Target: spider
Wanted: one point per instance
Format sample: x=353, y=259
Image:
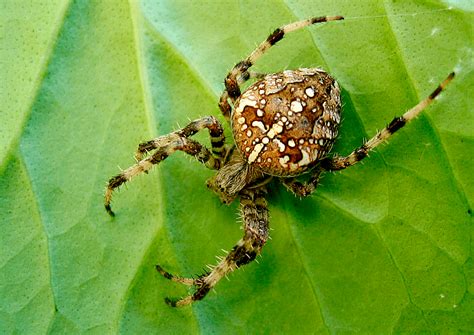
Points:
x=284, y=125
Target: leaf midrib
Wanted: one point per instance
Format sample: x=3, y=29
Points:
x=14, y=140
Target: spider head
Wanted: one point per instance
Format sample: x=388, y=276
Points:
x=232, y=178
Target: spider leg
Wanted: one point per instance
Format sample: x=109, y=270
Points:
x=303, y=189
x=232, y=89
x=176, y=279
x=210, y=122
x=168, y=145
x=339, y=163
x=254, y=211
x=224, y=105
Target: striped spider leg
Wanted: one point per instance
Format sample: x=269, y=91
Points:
x=341, y=162
x=164, y=146
x=254, y=212
x=239, y=74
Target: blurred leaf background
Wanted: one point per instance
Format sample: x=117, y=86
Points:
x=383, y=247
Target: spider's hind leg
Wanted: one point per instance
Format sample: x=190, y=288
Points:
x=253, y=208
x=306, y=188
x=232, y=81
x=340, y=163
x=224, y=105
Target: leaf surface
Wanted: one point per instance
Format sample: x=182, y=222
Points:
x=383, y=247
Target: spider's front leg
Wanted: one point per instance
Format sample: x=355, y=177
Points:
x=216, y=133
x=254, y=212
x=165, y=145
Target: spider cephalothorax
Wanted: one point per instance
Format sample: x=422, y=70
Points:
x=283, y=125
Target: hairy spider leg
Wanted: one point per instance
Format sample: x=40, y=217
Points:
x=304, y=189
x=176, y=279
x=238, y=73
x=168, y=144
x=254, y=212
x=223, y=104
x=210, y=122
x=339, y=163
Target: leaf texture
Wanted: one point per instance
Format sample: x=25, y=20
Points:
x=383, y=247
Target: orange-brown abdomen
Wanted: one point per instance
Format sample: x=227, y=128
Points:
x=284, y=123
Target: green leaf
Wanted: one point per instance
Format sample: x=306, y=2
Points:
x=382, y=247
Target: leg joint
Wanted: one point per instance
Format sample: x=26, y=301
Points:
x=232, y=87
x=276, y=36
x=396, y=124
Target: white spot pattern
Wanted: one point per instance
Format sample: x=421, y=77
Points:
x=281, y=126
x=296, y=106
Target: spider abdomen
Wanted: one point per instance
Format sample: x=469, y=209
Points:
x=284, y=123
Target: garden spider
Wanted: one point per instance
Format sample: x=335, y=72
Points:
x=284, y=125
